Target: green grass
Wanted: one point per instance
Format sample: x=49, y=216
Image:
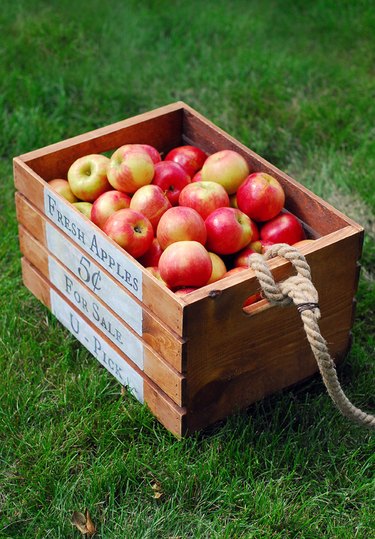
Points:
x=294, y=81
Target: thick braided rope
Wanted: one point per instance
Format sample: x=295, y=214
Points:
x=300, y=290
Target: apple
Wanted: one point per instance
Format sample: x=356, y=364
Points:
x=152, y=152
x=130, y=167
x=152, y=202
x=84, y=207
x=226, y=167
x=183, y=291
x=180, y=224
x=171, y=178
x=185, y=264
x=152, y=255
x=228, y=231
x=252, y=299
x=255, y=236
x=242, y=259
x=284, y=228
x=154, y=270
x=218, y=268
x=87, y=177
x=63, y=188
x=197, y=177
x=266, y=245
x=204, y=197
x=105, y=205
x=190, y=158
x=260, y=196
x=131, y=230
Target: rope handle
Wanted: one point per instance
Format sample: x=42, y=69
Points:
x=300, y=290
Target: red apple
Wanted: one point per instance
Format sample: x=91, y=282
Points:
x=171, y=178
x=131, y=230
x=226, y=167
x=87, y=177
x=84, y=207
x=130, y=168
x=152, y=255
x=190, y=158
x=180, y=224
x=152, y=152
x=107, y=204
x=204, y=197
x=255, y=230
x=218, y=268
x=228, y=231
x=152, y=202
x=63, y=188
x=242, y=259
x=284, y=228
x=252, y=299
x=197, y=177
x=185, y=263
x=260, y=196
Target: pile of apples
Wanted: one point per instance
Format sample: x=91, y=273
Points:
x=190, y=218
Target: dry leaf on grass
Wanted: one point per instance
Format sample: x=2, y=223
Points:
x=83, y=523
x=156, y=487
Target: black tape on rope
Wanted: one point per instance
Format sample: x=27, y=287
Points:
x=307, y=306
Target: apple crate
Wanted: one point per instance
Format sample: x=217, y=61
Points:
x=195, y=359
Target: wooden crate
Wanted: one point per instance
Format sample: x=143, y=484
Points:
x=196, y=359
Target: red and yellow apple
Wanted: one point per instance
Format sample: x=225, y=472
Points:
x=63, y=188
x=204, y=197
x=190, y=158
x=180, y=224
x=130, y=167
x=152, y=202
x=171, y=178
x=260, y=196
x=218, y=268
x=185, y=264
x=228, y=231
x=105, y=205
x=284, y=228
x=87, y=177
x=226, y=167
x=131, y=230
x=152, y=255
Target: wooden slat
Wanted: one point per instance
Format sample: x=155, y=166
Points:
x=157, y=334
x=160, y=371
x=167, y=412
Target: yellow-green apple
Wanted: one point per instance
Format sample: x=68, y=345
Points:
x=152, y=255
x=242, y=259
x=204, y=197
x=105, y=205
x=131, y=230
x=130, y=167
x=218, y=268
x=228, y=231
x=87, y=177
x=63, y=188
x=84, y=207
x=226, y=167
x=260, y=196
x=284, y=228
x=185, y=264
x=171, y=178
x=180, y=224
x=190, y=158
x=152, y=202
